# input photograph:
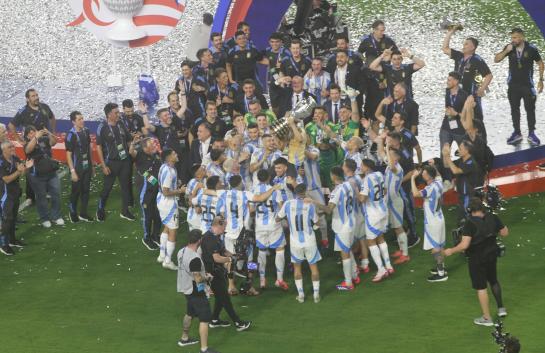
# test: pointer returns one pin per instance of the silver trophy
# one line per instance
(302, 110)
(124, 28)
(448, 25)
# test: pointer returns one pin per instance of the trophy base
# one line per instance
(124, 29)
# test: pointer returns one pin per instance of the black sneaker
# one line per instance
(128, 216)
(73, 217)
(150, 244)
(16, 243)
(85, 218)
(101, 215)
(437, 278)
(156, 241)
(242, 325)
(218, 323)
(7, 250)
(413, 242)
(188, 342)
(433, 271)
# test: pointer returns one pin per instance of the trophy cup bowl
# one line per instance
(450, 25)
(123, 27)
(302, 110)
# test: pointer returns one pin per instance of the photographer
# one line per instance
(217, 262)
(192, 281)
(479, 243)
(43, 177)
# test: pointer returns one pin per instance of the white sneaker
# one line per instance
(59, 222)
(161, 259)
(502, 312)
(170, 266)
(46, 224)
(300, 298)
(317, 298)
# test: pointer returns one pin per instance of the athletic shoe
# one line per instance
(16, 243)
(7, 250)
(262, 283)
(437, 278)
(46, 224)
(390, 270)
(397, 254)
(483, 321)
(170, 266)
(188, 342)
(101, 215)
(59, 222)
(317, 298)
(343, 286)
(533, 139)
(161, 258)
(414, 242)
(128, 216)
(243, 325)
(514, 139)
(325, 243)
(364, 270)
(300, 298)
(380, 276)
(218, 323)
(281, 284)
(502, 312)
(356, 280)
(402, 259)
(157, 242)
(149, 244)
(73, 217)
(433, 271)
(85, 218)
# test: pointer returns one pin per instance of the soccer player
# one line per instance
(341, 204)
(434, 222)
(301, 218)
(207, 203)
(168, 207)
(193, 187)
(374, 198)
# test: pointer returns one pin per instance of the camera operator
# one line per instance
(479, 243)
(192, 281)
(217, 261)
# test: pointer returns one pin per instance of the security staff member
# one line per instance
(113, 140)
(192, 282)
(521, 82)
(479, 243)
(11, 168)
(78, 157)
(216, 259)
(148, 163)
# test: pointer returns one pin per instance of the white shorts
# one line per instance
(309, 253)
(359, 228)
(229, 244)
(169, 216)
(344, 241)
(395, 212)
(195, 221)
(374, 226)
(434, 234)
(270, 239)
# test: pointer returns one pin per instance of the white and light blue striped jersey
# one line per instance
(168, 178)
(433, 200)
(343, 218)
(373, 188)
(393, 182)
(258, 155)
(285, 193)
(215, 169)
(265, 212)
(312, 170)
(191, 213)
(301, 218)
(356, 157)
(233, 204)
(208, 205)
(357, 185)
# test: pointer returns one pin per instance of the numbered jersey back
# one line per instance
(343, 214)
(373, 187)
(265, 212)
(301, 218)
(234, 205)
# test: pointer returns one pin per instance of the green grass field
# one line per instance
(95, 288)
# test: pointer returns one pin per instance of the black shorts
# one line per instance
(198, 306)
(483, 270)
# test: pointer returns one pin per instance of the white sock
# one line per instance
(170, 250)
(163, 244)
(402, 241)
(354, 265)
(375, 254)
(279, 262)
(299, 285)
(316, 287)
(262, 262)
(364, 263)
(385, 255)
(347, 271)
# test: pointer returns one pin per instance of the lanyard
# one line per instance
(402, 107)
(294, 64)
(463, 63)
(247, 103)
(112, 131)
(453, 99)
(78, 139)
(519, 55)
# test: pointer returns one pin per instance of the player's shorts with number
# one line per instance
(169, 215)
(434, 233)
(343, 241)
(270, 238)
(309, 253)
(395, 212)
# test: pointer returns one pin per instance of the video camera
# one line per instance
(242, 264)
(491, 197)
(507, 343)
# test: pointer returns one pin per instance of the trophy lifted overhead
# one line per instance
(448, 25)
(302, 110)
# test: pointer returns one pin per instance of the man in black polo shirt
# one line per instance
(217, 50)
(242, 61)
(193, 88)
(11, 169)
(148, 163)
(295, 64)
(217, 127)
(79, 159)
(522, 56)
(275, 54)
(113, 140)
(399, 102)
(476, 75)
(216, 258)
(452, 128)
(408, 140)
(249, 93)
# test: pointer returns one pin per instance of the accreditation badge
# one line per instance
(121, 151)
(248, 55)
(85, 161)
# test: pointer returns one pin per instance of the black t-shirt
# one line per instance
(205, 74)
(243, 62)
(42, 147)
(455, 101)
(211, 244)
(218, 128)
(274, 59)
(372, 48)
(38, 118)
(79, 144)
(406, 161)
(8, 167)
(114, 141)
(521, 65)
(220, 57)
(195, 265)
(242, 102)
(483, 233)
(408, 106)
(394, 76)
(469, 68)
(183, 125)
(408, 140)
(468, 180)
(168, 137)
(290, 67)
(134, 124)
(225, 110)
(148, 167)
